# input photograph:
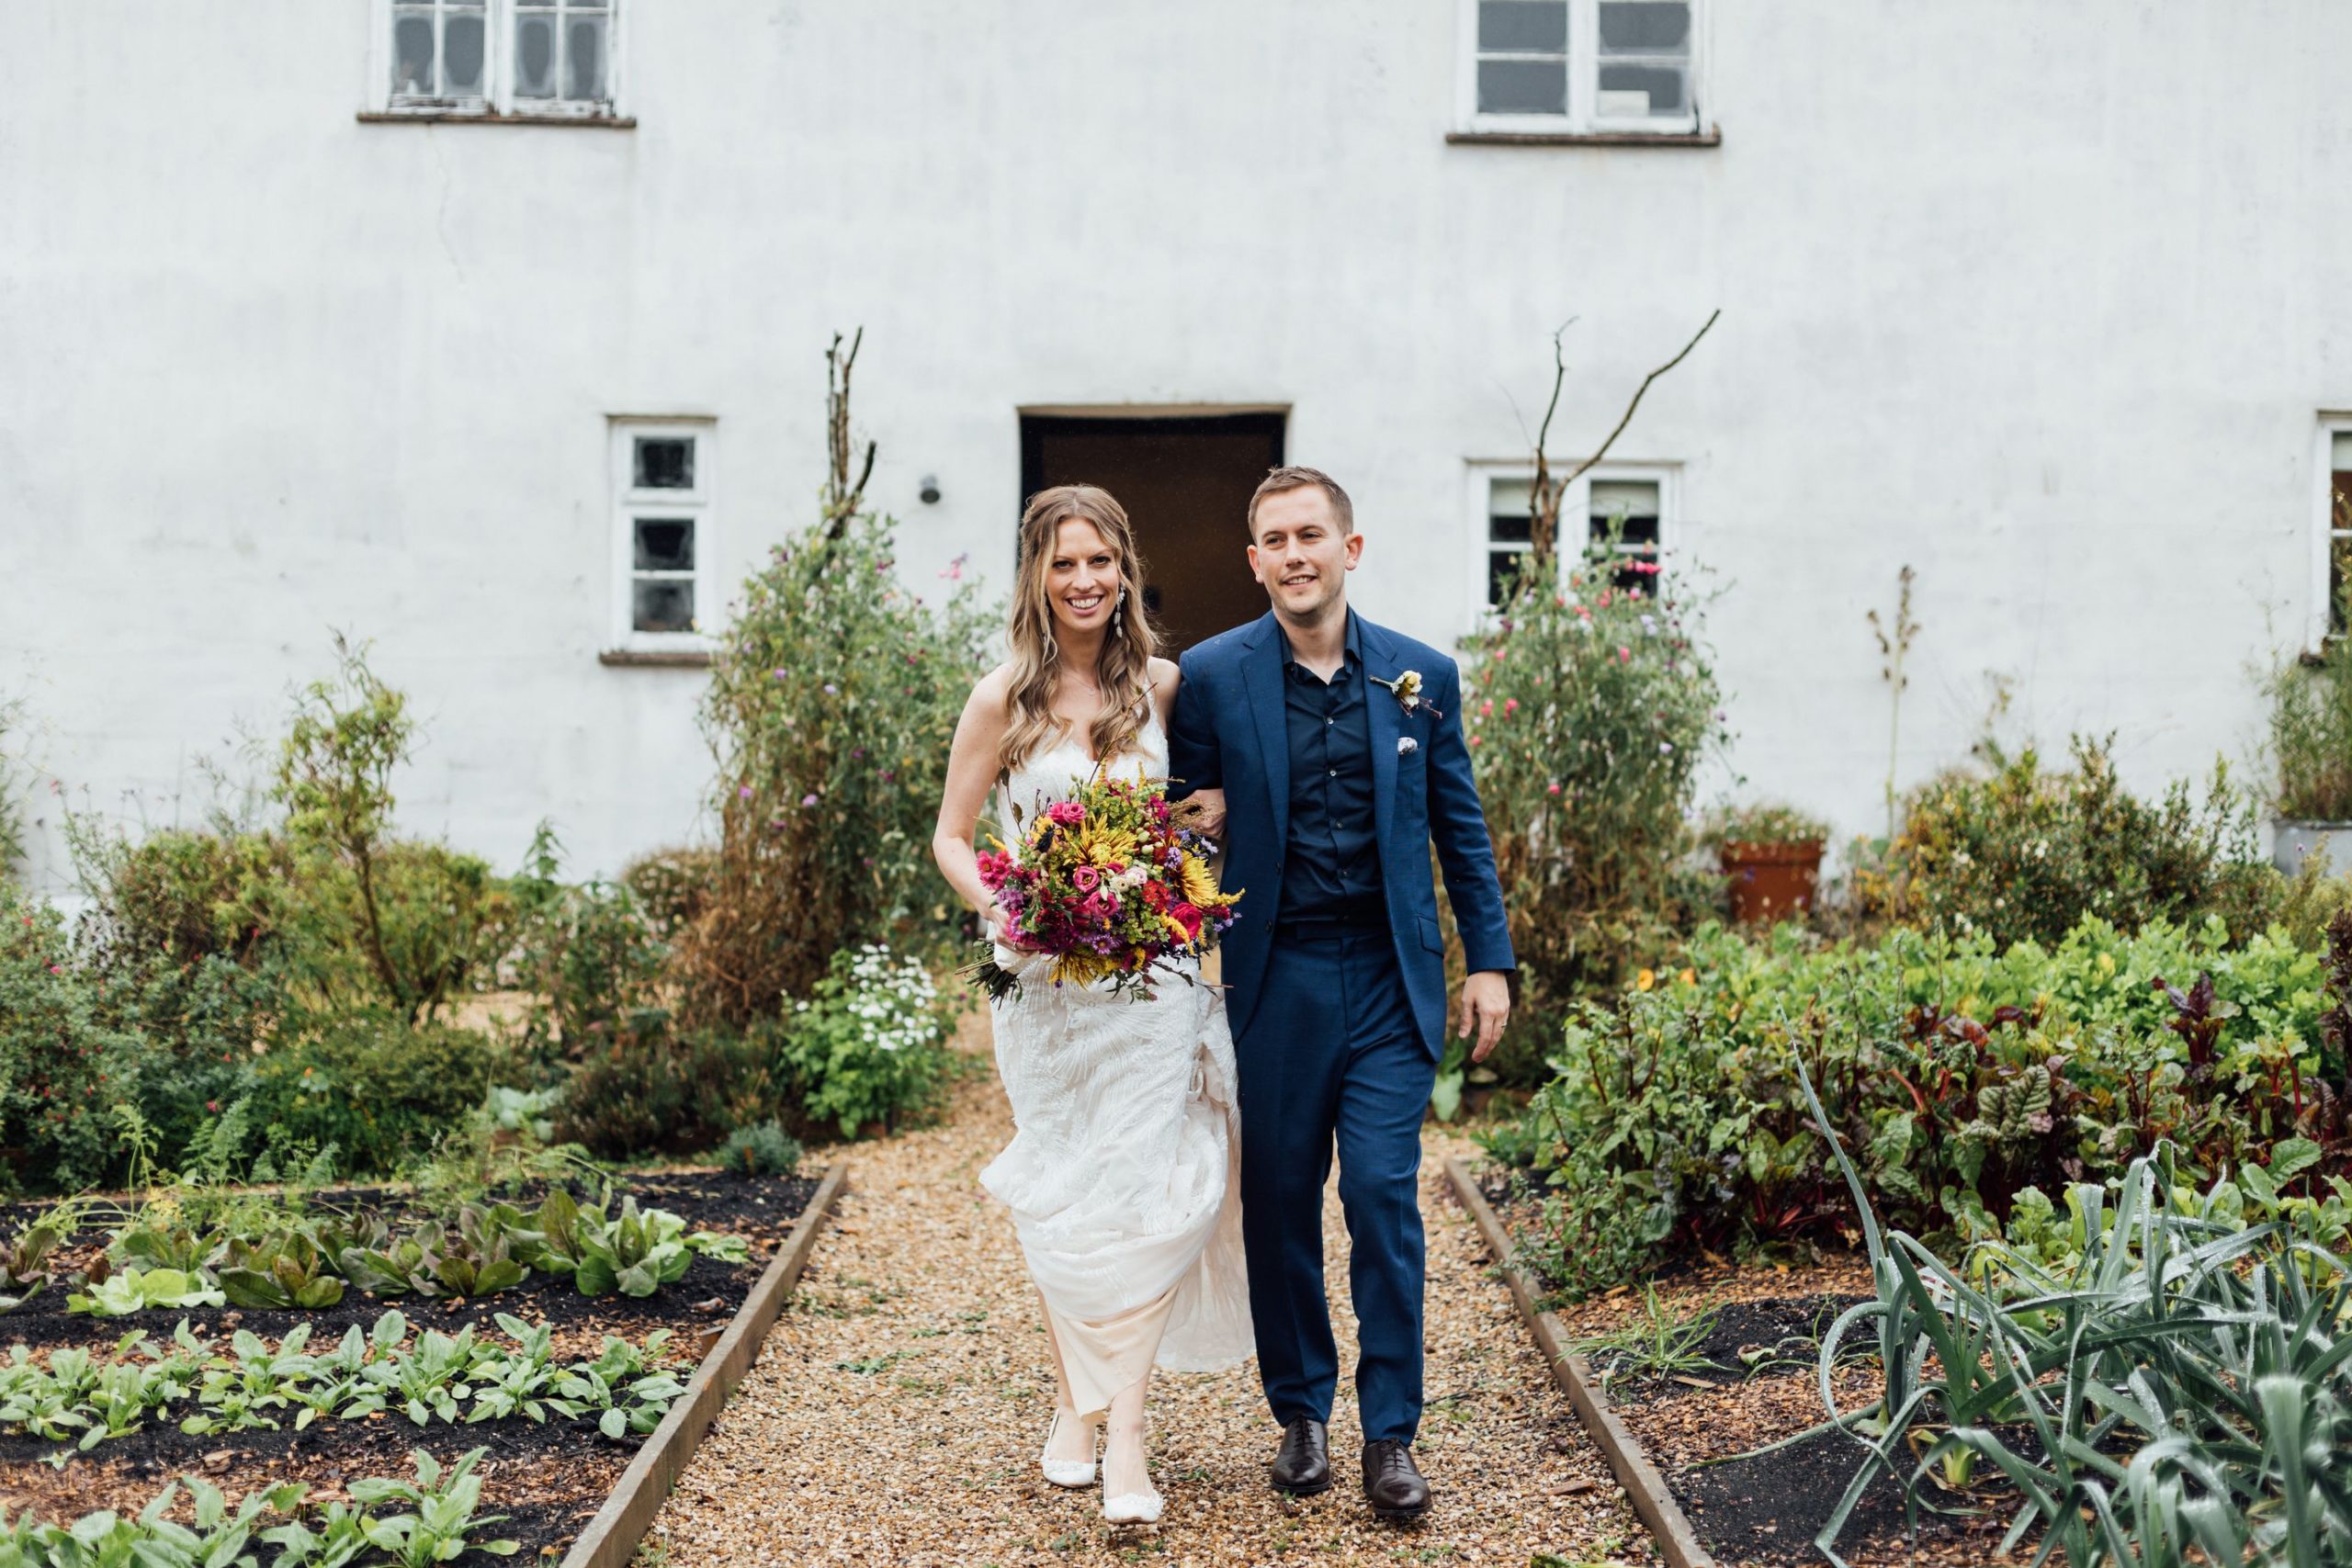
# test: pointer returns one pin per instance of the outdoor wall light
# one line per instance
(930, 490)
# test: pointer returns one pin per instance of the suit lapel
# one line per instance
(1261, 671)
(1385, 723)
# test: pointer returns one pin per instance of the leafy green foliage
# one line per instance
(1590, 705)
(1660, 1342)
(631, 1252)
(2311, 731)
(27, 1263)
(1765, 824)
(588, 951)
(285, 1270)
(381, 1091)
(62, 1063)
(1962, 1075)
(2178, 1390)
(2021, 854)
(126, 1291)
(869, 1045)
(657, 1087)
(247, 1382)
(762, 1150)
(832, 702)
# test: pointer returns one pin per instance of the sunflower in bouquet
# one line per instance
(1108, 885)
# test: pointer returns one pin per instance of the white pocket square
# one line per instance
(1406, 744)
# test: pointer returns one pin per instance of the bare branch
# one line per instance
(1630, 407)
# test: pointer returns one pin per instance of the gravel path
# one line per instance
(896, 1410)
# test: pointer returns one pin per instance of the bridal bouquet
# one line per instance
(1107, 883)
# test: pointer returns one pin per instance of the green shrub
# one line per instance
(380, 1089)
(62, 1066)
(765, 1150)
(1589, 711)
(2311, 731)
(670, 887)
(832, 699)
(1962, 1074)
(409, 922)
(2021, 854)
(1764, 824)
(655, 1089)
(870, 1046)
(588, 951)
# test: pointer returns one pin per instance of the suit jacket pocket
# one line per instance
(1432, 938)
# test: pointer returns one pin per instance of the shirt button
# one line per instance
(1335, 773)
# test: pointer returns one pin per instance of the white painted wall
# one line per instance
(2043, 299)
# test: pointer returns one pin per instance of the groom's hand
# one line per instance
(1211, 817)
(1485, 1003)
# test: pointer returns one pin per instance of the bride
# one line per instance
(1122, 1175)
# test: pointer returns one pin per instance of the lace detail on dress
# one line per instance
(1123, 1173)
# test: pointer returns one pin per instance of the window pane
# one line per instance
(535, 56)
(664, 606)
(1522, 27)
(412, 54)
(583, 59)
(665, 544)
(665, 462)
(1523, 86)
(1638, 90)
(1504, 528)
(1645, 26)
(2343, 449)
(1633, 496)
(1501, 566)
(463, 51)
(1632, 507)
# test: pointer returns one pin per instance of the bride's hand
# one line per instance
(1211, 817)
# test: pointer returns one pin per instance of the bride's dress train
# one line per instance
(1124, 1174)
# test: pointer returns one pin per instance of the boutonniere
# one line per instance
(1407, 688)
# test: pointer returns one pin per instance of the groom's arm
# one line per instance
(1458, 826)
(1194, 761)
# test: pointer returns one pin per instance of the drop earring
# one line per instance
(1119, 613)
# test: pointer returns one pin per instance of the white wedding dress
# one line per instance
(1124, 1172)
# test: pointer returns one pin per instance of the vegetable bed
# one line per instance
(480, 1378)
(1717, 1359)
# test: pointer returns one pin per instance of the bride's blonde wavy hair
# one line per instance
(1124, 667)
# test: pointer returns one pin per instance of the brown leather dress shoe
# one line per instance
(1391, 1483)
(1303, 1467)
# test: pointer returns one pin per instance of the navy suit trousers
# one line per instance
(1333, 1056)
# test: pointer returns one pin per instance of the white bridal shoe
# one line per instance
(1134, 1508)
(1066, 1471)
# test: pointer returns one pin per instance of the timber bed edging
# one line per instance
(610, 1539)
(1644, 1487)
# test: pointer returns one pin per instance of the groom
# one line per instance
(1339, 747)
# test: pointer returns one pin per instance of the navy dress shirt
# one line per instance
(1333, 861)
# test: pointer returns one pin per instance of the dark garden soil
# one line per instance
(549, 1478)
(1761, 1386)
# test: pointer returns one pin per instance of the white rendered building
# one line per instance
(492, 331)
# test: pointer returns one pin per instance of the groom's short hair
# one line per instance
(1295, 476)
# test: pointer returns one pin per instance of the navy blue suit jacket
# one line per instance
(1227, 732)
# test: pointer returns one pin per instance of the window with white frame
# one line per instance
(1622, 508)
(535, 58)
(1580, 65)
(665, 577)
